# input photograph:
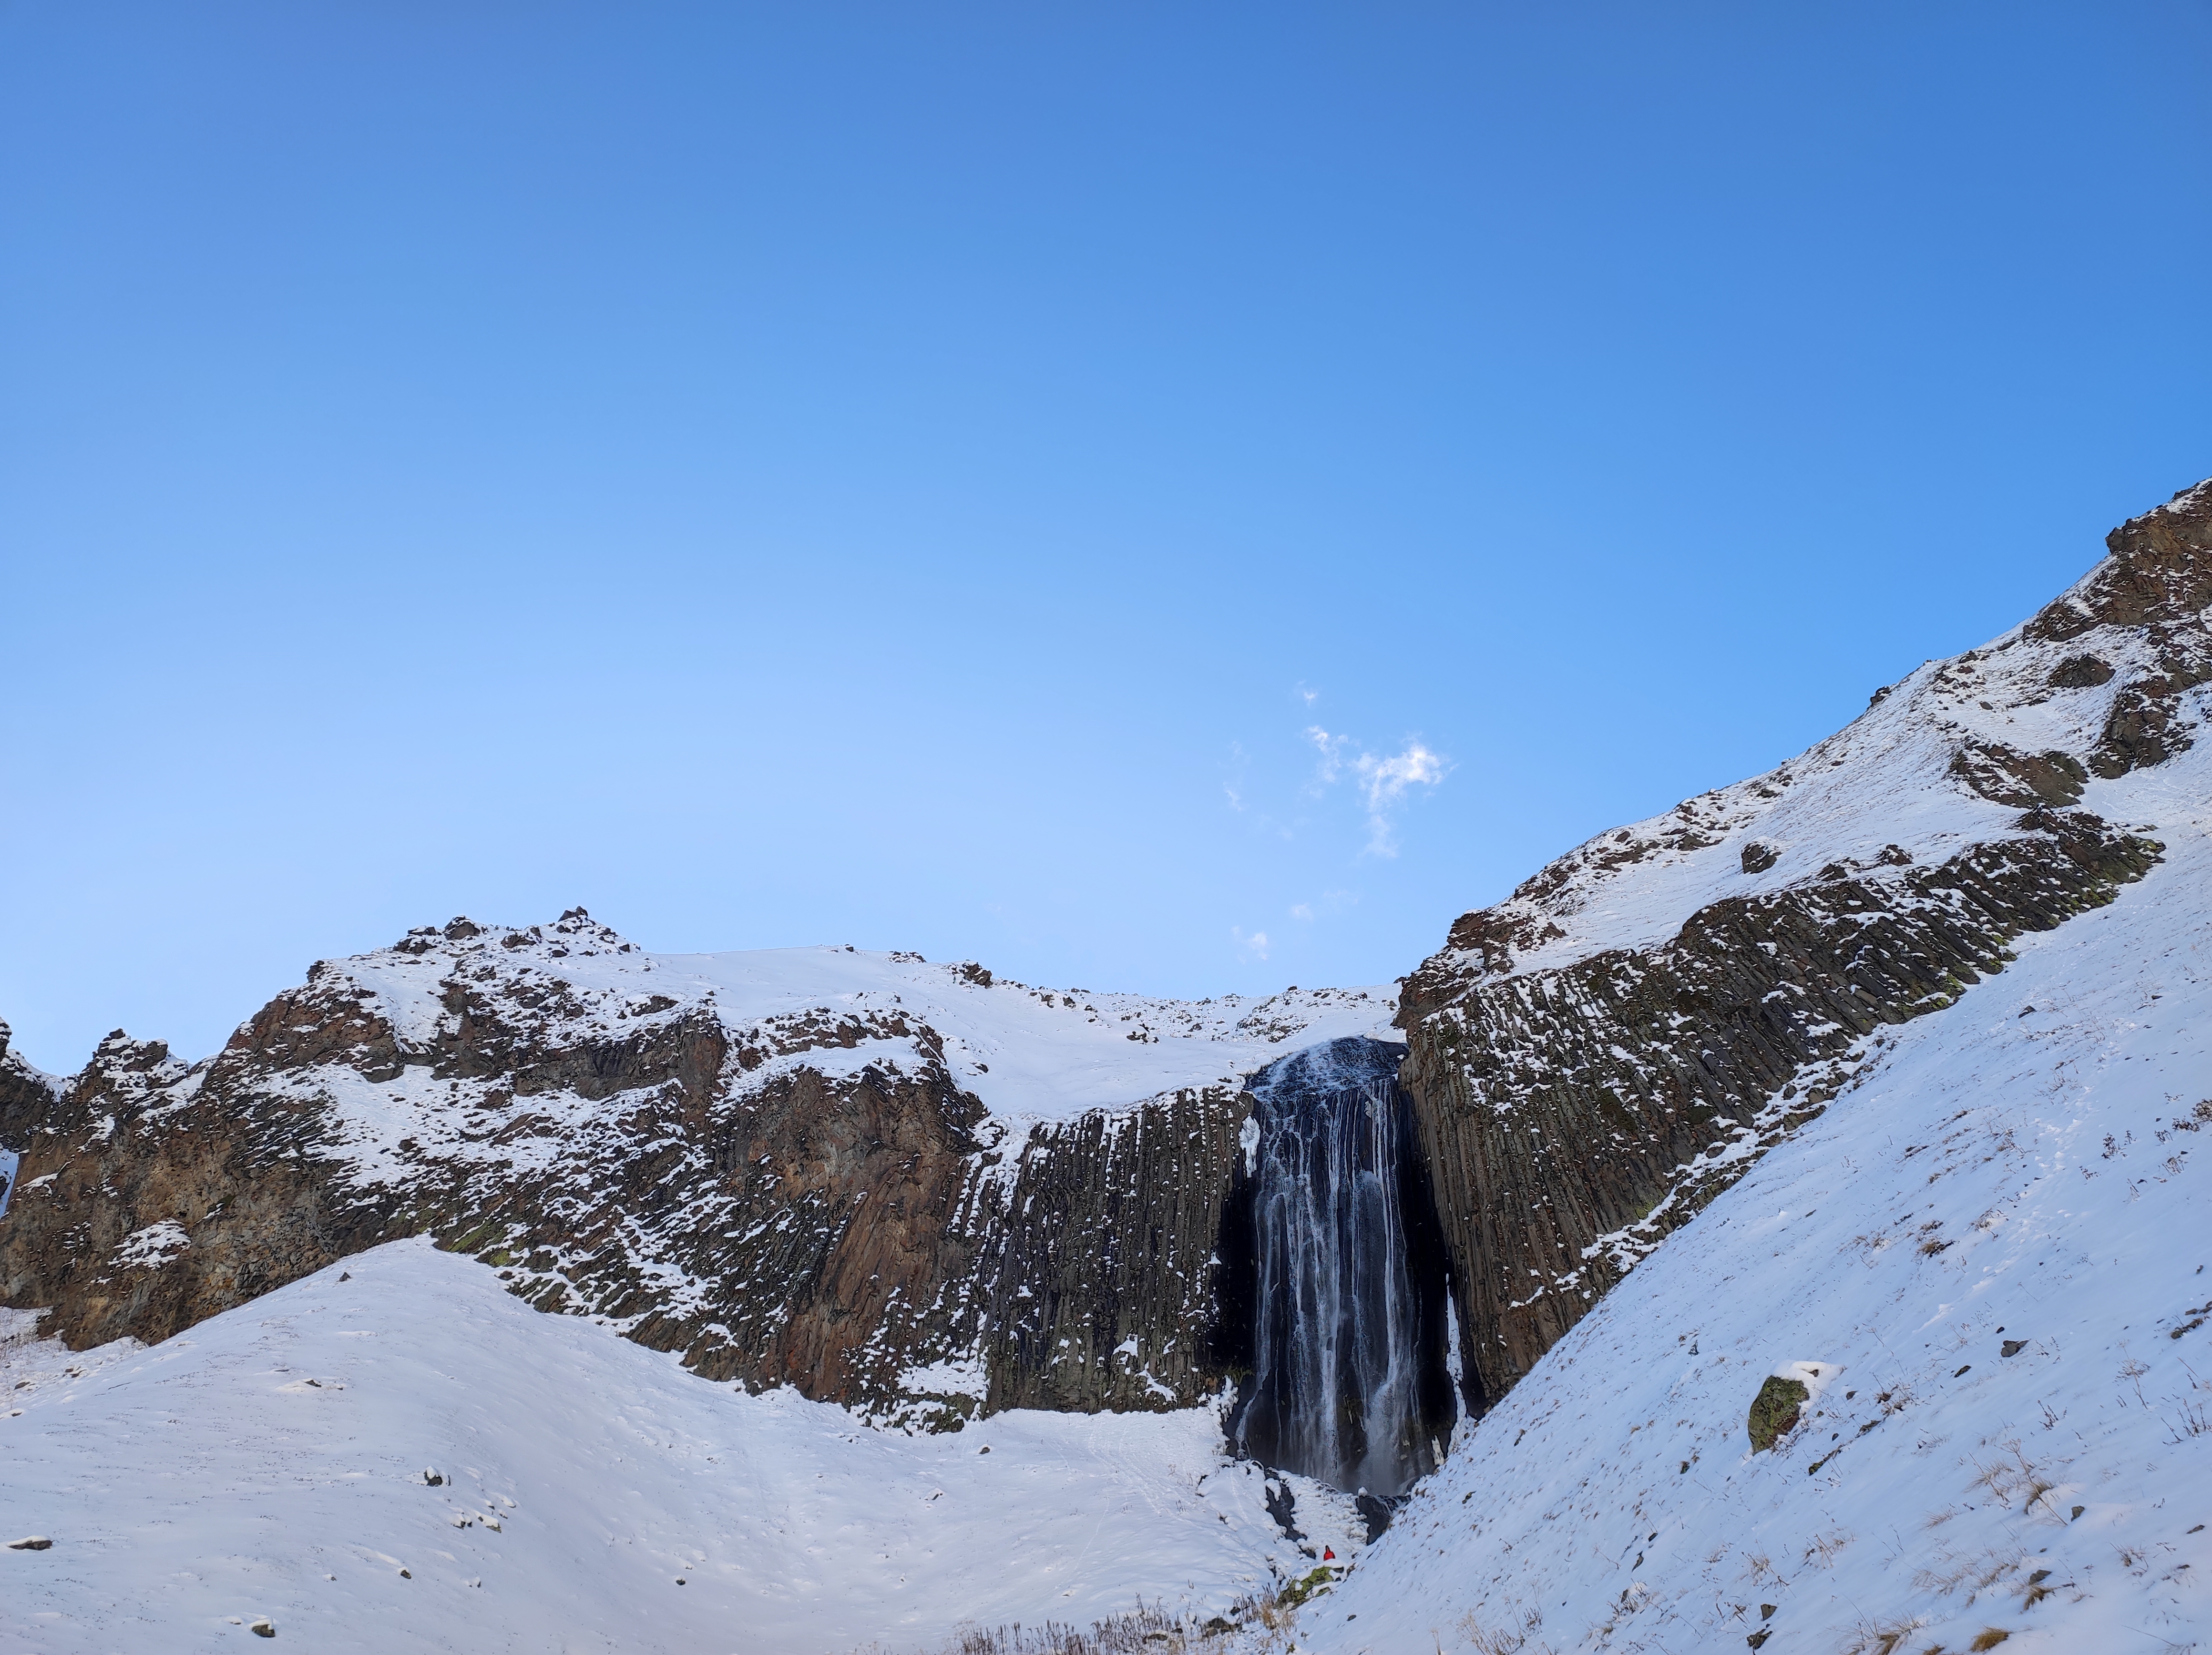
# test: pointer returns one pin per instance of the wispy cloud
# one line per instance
(1254, 947)
(1384, 779)
(1301, 910)
(1331, 748)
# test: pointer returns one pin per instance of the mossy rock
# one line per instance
(1315, 1583)
(1774, 1410)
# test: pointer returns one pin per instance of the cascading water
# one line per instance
(1349, 1383)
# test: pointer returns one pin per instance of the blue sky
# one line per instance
(919, 477)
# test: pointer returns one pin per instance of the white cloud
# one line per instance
(1301, 910)
(1384, 780)
(1239, 761)
(1331, 753)
(1254, 945)
(1387, 780)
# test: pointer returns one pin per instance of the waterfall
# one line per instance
(1348, 1381)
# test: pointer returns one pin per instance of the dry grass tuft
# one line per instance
(1884, 1639)
(1145, 1630)
(1989, 1638)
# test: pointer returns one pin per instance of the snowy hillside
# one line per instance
(2022, 1174)
(270, 1464)
(2084, 692)
(1028, 1054)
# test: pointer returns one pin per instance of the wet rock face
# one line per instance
(1350, 1381)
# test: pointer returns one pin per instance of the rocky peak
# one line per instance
(2158, 572)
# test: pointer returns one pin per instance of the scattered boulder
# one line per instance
(264, 1627)
(2012, 1347)
(31, 1542)
(1376, 1511)
(1759, 855)
(1774, 1411)
(1281, 1503)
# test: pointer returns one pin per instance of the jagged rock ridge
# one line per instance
(910, 1187)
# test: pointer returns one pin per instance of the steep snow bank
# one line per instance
(270, 1462)
(2022, 1172)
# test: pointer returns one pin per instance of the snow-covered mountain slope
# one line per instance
(270, 1463)
(1027, 1054)
(910, 1186)
(1596, 1057)
(2022, 1174)
(2095, 685)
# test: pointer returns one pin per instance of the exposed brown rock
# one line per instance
(775, 1227)
(2159, 572)
(1569, 1116)
(2021, 781)
(1103, 1290)
(2080, 672)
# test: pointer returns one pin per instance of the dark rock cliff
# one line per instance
(751, 1198)
(1578, 1101)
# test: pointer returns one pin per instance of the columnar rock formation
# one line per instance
(805, 1188)
(1597, 1057)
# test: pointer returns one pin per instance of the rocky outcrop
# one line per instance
(2156, 583)
(1572, 1118)
(1587, 1076)
(811, 1196)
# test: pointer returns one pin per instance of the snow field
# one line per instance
(270, 1462)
